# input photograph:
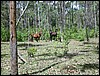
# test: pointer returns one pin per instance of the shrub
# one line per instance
(5, 34)
(92, 33)
(31, 51)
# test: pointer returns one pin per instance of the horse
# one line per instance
(53, 34)
(36, 36)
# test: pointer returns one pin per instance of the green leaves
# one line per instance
(32, 51)
(22, 35)
(5, 35)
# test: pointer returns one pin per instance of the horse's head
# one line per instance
(50, 31)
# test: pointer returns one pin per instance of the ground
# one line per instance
(54, 58)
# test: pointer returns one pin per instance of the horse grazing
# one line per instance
(53, 34)
(36, 36)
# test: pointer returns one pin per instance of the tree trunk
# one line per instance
(49, 23)
(86, 23)
(38, 14)
(72, 15)
(61, 20)
(95, 21)
(22, 21)
(63, 14)
(13, 41)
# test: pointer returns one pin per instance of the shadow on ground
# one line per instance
(26, 44)
(44, 68)
(3, 55)
(89, 66)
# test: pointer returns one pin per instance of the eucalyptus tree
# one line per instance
(37, 14)
(67, 13)
(87, 19)
(13, 41)
(72, 18)
(95, 8)
(21, 10)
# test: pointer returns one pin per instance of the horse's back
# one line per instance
(36, 35)
(54, 33)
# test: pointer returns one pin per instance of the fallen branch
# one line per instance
(47, 67)
(22, 59)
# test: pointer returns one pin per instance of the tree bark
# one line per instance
(13, 41)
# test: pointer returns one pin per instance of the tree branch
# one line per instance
(22, 13)
(22, 59)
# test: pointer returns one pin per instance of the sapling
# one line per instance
(31, 51)
(66, 46)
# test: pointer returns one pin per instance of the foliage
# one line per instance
(49, 15)
(5, 35)
(45, 34)
(22, 36)
(31, 51)
(74, 33)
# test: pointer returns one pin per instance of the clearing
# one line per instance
(54, 58)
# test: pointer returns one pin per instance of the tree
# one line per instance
(86, 20)
(95, 27)
(62, 13)
(13, 41)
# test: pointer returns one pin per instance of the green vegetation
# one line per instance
(5, 35)
(31, 51)
(72, 33)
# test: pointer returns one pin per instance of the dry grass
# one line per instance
(50, 59)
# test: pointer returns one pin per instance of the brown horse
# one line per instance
(36, 36)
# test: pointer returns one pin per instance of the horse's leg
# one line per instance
(56, 37)
(37, 39)
(31, 39)
(50, 37)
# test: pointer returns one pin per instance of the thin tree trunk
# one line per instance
(63, 14)
(36, 17)
(38, 14)
(61, 20)
(49, 23)
(95, 21)
(13, 41)
(86, 23)
(72, 14)
(22, 21)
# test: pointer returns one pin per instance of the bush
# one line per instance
(45, 34)
(5, 34)
(31, 51)
(92, 33)
(22, 35)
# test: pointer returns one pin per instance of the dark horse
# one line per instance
(53, 34)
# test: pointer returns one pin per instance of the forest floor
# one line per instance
(54, 58)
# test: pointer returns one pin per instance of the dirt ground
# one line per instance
(54, 58)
